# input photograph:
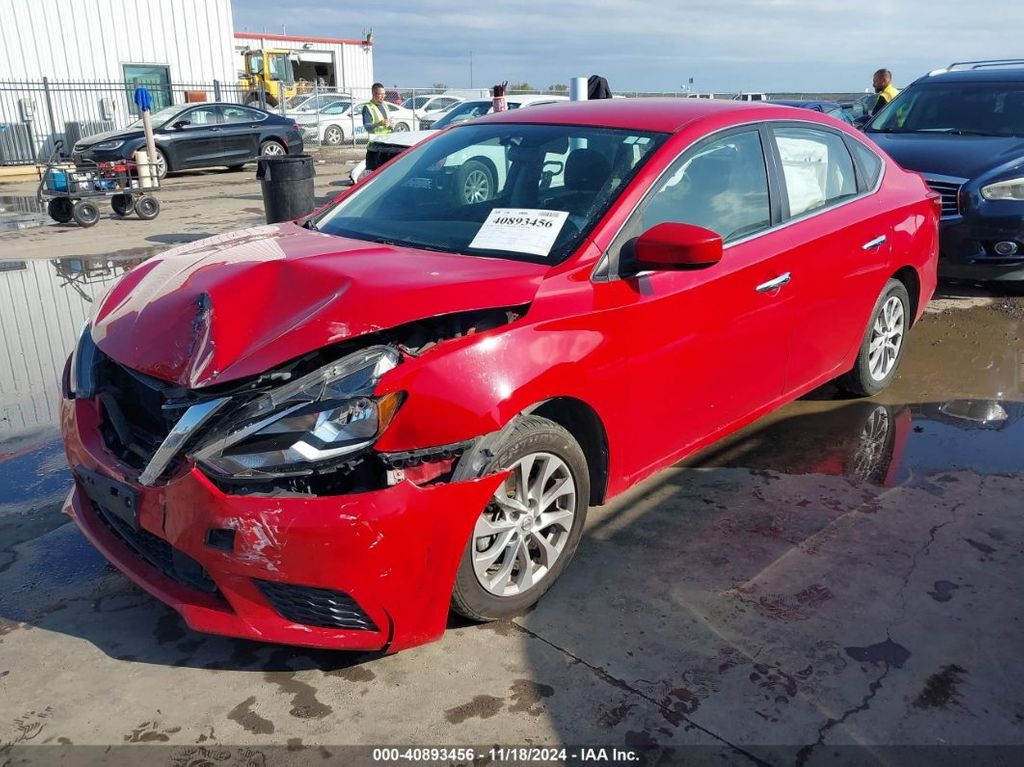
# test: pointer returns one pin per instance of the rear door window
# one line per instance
(816, 167)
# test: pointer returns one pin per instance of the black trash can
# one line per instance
(287, 182)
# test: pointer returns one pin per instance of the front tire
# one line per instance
(884, 340)
(475, 182)
(85, 213)
(147, 208)
(529, 531)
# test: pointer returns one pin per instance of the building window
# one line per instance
(153, 77)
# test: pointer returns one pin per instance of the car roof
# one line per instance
(805, 102)
(985, 75)
(665, 115)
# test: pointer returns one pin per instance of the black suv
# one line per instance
(962, 128)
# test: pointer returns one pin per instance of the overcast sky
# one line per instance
(725, 45)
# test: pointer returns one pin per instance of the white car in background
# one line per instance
(430, 105)
(480, 176)
(340, 119)
(334, 123)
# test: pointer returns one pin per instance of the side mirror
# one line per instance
(181, 124)
(676, 246)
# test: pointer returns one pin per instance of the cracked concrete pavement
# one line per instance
(841, 572)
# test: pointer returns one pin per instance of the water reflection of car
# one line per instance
(963, 129)
(198, 136)
(434, 390)
(861, 440)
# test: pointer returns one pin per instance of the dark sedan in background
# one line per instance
(199, 136)
(962, 128)
(831, 108)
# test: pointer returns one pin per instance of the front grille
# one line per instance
(378, 154)
(159, 553)
(135, 420)
(949, 189)
(316, 607)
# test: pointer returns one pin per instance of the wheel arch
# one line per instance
(583, 422)
(912, 282)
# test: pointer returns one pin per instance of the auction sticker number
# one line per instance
(520, 231)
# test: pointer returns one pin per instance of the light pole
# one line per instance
(471, 69)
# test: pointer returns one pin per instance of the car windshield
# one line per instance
(525, 192)
(161, 118)
(464, 111)
(416, 103)
(976, 109)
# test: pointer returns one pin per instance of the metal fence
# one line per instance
(35, 114)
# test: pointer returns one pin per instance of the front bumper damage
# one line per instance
(261, 567)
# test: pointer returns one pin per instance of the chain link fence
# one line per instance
(35, 114)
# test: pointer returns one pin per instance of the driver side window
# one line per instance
(721, 186)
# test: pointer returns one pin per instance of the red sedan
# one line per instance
(328, 433)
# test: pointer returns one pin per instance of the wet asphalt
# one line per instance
(840, 572)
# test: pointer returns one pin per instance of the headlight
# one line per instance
(83, 365)
(306, 424)
(109, 145)
(1011, 189)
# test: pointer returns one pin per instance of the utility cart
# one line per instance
(72, 191)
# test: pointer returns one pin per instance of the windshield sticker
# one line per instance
(520, 230)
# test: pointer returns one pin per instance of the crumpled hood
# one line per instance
(242, 303)
(947, 155)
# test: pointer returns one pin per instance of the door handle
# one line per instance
(778, 282)
(875, 243)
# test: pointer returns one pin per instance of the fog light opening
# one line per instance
(1006, 248)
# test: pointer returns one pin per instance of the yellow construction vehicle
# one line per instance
(268, 77)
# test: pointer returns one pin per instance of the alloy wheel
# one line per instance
(333, 135)
(476, 187)
(273, 149)
(886, 338)
(525, 528)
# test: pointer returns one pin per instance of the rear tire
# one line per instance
(271, 148)
(59, 209)
(884, 341)
(85, 213)
(122, 205)
(503, 572)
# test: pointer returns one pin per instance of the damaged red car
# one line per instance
(332, 432)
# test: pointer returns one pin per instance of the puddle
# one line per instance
(21, 212)
(43, 305)
(883, 444)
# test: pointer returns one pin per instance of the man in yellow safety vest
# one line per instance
(886, 91)
(375, 114)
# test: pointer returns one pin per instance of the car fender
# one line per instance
(472, 386)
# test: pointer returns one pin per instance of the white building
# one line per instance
(93, 53)
(178, 41)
